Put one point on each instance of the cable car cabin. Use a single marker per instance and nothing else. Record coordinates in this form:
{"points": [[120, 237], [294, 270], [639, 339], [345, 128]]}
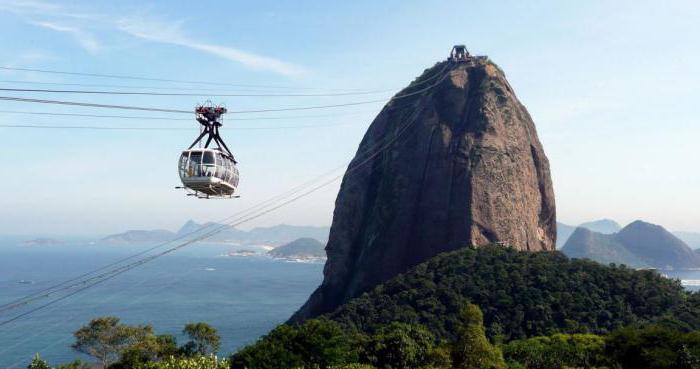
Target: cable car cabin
{"points": [[208, 172]]}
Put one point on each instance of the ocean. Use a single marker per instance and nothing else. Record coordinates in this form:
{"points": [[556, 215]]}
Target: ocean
{"points": [[242, 297]]}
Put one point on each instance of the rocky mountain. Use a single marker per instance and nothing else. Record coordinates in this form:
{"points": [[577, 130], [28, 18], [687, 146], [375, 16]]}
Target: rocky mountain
{"points": [[302, 248], [639, 244], [461, 165], [275, 235]]}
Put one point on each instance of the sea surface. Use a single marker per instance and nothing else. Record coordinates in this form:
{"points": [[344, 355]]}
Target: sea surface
{"points": [[243, 297]]}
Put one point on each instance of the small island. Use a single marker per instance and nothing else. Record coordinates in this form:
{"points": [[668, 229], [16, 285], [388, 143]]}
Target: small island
{"points": [[242, 253], [302, 249], [42, 242]]}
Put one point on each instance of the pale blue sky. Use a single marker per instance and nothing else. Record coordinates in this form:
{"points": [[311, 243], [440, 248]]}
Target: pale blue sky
{"points": [[611, 85]]}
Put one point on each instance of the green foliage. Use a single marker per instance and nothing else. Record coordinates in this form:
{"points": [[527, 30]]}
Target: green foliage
{"points": [[38, 363], [653, 347], [399, 345], [522, 294], [196, 362], [472, 350], [557, 351], [76, 364], [204, 339], [314, 344], [106, 339], [147, 348]]}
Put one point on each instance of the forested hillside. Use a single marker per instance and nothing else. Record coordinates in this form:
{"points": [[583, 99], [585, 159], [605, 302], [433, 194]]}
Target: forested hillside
{"points": [[522, 294]]}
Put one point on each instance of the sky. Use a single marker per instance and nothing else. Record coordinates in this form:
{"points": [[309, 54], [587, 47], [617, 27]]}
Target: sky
{"points": [[611, 86]]}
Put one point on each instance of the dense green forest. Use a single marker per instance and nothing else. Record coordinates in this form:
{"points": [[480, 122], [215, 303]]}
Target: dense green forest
{"points": [[522, 294]]}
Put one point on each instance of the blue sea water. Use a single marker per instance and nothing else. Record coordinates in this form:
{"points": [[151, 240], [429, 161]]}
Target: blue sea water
{"points": [[243, 297]]}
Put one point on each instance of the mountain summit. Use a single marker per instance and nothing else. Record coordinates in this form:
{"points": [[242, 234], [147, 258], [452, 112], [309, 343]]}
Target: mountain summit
{"points": [[452, 161]]}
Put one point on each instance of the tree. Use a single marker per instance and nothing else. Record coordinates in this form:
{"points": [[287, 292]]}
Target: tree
{"points": [[76, 364], [203, 339], [38, 363], [105, 339], [399, 346], [148, 348], [472, 350], [323, 344], [199, 362], [557, 351], [313, 344]]}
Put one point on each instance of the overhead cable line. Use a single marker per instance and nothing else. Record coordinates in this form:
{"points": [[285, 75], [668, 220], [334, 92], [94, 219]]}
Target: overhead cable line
{"points": [[150, 93], [142, 117], [141, 108], [183, 88], [52, 289], [92, 105], [16, 303], [140, 78], [128, 107], [111, 274], [111, 128]]}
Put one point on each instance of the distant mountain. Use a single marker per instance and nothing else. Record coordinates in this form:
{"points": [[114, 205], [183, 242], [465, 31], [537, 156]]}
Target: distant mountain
{"points": [[604, 226], [564, 231], [287, 233], [303, 248], [158, 235], [691, 238], [275, 235], [639, 244], [603, 248], [657, 247]]}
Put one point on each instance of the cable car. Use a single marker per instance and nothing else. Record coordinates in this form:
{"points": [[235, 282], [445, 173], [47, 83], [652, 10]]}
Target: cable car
{"points": [[209, 172]]}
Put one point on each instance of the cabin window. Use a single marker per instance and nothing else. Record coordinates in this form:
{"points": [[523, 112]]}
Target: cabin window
{"points": [[208, 157]]}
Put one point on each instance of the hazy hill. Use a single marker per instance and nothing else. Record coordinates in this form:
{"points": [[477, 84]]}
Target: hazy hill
{"points": [[302, 248], [522, 294], [158, 235], [604, 226], [657, 247], [564, 231], [639, 244], [274, 235], [605, 249], [692, 239]]}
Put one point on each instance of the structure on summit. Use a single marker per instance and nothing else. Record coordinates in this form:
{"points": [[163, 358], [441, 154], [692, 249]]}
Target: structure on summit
{"points": [[459, 53], [462, 167]]}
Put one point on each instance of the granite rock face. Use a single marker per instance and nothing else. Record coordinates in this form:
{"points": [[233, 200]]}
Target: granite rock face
{"points": [[452, 161]]}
